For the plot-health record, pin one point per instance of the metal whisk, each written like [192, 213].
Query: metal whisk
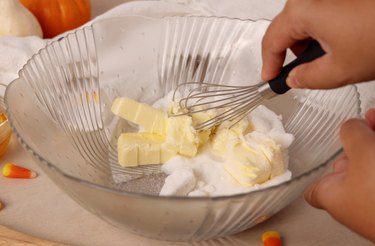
[235, 102]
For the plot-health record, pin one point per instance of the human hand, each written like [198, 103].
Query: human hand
[344, 28]
[348, 193]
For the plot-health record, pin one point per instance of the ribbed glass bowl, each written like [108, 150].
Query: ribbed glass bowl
[59, 108]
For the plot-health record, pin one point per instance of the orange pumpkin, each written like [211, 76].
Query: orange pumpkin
[58, 16]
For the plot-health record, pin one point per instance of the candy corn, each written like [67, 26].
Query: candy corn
[13, 171]
[90, 96]
[5, 134]
[271, 238]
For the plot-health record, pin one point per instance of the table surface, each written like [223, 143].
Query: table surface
[39, 208]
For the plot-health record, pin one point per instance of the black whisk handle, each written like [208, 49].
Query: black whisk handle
[313, 51]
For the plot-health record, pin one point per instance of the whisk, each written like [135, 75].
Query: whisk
[235, 102]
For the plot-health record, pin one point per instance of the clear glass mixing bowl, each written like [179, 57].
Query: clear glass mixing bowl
[59, 109]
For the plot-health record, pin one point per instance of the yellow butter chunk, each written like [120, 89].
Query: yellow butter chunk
[142, 149]
[199, 118]
[228, 135]
[248, 166]
[151, 119]
[274, 155]
[223, 141]
[181, 136]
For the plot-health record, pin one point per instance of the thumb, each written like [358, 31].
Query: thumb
[321, 73]
[358, 141]
[326, 193]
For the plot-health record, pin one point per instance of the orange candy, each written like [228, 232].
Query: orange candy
[5, 133]
[95, 96]
[13, 171]
[271, 238]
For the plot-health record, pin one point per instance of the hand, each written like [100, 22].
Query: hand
[348, 193]
[345, 30]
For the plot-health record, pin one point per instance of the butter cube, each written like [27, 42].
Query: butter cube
[166, 154]
[151, 119]
[142, 149]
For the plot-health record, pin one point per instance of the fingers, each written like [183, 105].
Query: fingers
[292, 30]
[322, 73]
[322, 194]
[370, 118]
[341, 164]
[274, 49]
[299, 47]
[327, 191]
[279, 36]
[358, 141]
[347, 193]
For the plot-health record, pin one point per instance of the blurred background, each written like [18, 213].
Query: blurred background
[100, 6]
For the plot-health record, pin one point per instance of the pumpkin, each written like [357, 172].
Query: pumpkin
[58, 16]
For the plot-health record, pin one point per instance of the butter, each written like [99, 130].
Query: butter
[181, 136]
[248, 166]
[151, 119]
[271, 150]
[198, 118]
[223, 141]
[236, 158]
[163, 136]
[249, 157]
[249, 151]
[228, 135]
[142, 149]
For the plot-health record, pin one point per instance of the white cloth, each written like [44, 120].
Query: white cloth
[15, 51]
[14, 54]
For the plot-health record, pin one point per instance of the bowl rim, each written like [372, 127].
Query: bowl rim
[120, 192]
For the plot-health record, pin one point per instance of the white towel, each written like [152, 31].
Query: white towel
[14, 54]
[15, 51]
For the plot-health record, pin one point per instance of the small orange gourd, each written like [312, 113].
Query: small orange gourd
[58, 16]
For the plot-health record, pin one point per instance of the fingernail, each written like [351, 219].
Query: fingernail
[292, 81]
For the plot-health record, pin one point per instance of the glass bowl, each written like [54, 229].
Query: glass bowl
[59, 109]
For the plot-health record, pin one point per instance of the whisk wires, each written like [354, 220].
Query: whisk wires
[229, 102]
